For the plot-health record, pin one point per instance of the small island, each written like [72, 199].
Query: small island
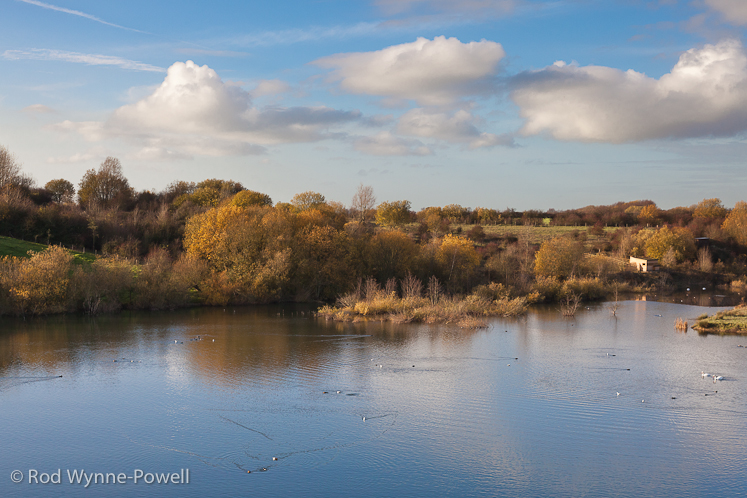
[732, 321]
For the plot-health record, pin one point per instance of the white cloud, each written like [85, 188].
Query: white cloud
[705, 94]
[458, 127]
[38, 109]
[194, 112]
[386, 144]
[733, 11]
[75, 13]
[431, 72]
[270, 87]
[79, 58]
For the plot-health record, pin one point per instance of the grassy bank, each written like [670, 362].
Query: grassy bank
[20, 249]
[724, 322]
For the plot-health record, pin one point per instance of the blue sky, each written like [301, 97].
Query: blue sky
[495, 103]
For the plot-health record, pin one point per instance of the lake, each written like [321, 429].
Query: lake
[270, 401]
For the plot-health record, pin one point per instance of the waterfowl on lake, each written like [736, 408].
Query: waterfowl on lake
[705, 374]
[717, 377]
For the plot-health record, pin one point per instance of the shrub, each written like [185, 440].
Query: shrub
[38, 285]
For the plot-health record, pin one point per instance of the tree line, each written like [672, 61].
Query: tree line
[216, 242]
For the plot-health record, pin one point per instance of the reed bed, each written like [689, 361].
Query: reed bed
[466, 312]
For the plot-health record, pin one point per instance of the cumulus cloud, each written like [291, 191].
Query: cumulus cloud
[458, 127]
[733, 11]
[386, 144]
[705, 94]
[194, 111]
[44, 54]
[430, 72]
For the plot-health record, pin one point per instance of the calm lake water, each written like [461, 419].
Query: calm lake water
[527, 407]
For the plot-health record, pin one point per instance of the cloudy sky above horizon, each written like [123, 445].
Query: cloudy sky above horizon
[498, 103]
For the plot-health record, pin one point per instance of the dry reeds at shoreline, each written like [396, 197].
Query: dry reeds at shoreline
[370, 302]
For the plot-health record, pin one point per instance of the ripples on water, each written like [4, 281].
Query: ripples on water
[528, 407]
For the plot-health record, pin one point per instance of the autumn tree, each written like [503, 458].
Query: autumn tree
[37, 285]
[649, 214]
[709, 208]
[307, 200]
[393, 213]
[249, 249]
[106, 187]
[735, 223]
[433, 217]
[247, 198]
[458, 260]
[61, 190]
[455, 213]
[364, 201]
[390, 254]
[679, 241]
[558, 257]
[324, 266]
[486, 216]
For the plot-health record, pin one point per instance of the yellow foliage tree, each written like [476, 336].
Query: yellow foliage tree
[205, 234]
[709, 208]
[247, 198]
[679, 240]
[38, 285]
[458, 260]
[649, 214]
[558, 257]
[736, 223]
[393, 213]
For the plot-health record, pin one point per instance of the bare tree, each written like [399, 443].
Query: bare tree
[364, 201]
[10, 170]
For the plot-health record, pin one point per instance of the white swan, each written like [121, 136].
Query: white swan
[717, 377]
[705, 374]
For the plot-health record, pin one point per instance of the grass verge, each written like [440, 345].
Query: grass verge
[20, 249]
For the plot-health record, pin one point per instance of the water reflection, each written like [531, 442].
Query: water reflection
[528, 407]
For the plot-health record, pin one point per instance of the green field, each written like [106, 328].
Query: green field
[535, 235]
[20, 248]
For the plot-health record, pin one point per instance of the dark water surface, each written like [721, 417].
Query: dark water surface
[445, 414]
